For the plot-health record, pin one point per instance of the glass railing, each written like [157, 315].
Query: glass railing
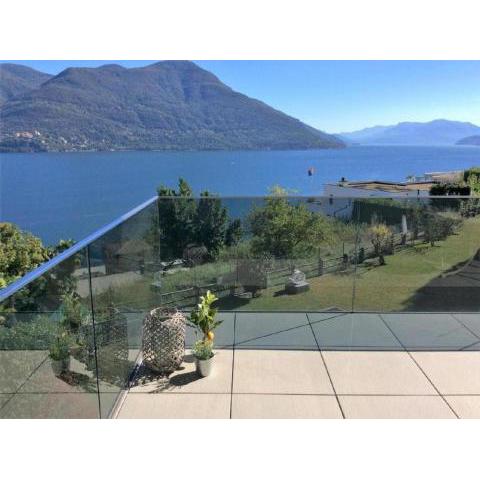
[71, 330]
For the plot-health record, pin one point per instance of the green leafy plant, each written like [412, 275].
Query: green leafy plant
[203, 349]
[380, 236]
[60, 347]
[72, 310]
[203, 317]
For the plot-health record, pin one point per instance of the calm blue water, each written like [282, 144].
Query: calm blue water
[68, 195]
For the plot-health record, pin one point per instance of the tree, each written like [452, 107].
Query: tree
[184, 222]
[210, 225]
[285, 229]
[380, 236]
[176, 212]
[20, 252]
[234, 233]
[472, 178]
[438, 227]
[414, 219]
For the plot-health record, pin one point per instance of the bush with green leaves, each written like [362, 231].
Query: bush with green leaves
[285, 228]
[380, 237]
[35, 333]
[203, 349]
[73, 311]
[60, 347]
[185, 222]
[472, 178]
[234, 233]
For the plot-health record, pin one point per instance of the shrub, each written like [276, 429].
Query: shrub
[203, 349]
[60, 347]
[380, 236]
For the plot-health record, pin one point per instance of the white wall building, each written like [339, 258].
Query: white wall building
[340, 196]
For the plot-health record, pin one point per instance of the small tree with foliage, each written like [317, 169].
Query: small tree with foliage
[286, 229]
[210, 224]
[234, 233]
[380, 236]
[184, 222]
[203, 316]
[176, 211]
[20, 252]
[472, 179]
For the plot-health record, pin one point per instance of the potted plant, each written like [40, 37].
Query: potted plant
[60, 353]
[203, 319]
[203, 353]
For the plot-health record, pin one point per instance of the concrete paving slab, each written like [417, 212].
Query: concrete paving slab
[176, 405]
[4, 397]
[186, 379]
[389, 373]
[465, 406]
[274, 331]
[16, 366]
[392, 406]
[280, 371]
[285, 406]
[51, 405]
[433, 331]
[452, 372]
[357, 331]
[470, 320]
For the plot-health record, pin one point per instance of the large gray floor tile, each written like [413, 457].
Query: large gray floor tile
[44, 380]
[356, 331]
[452, 372]
[433, 331]
[285, 406]
[16, 366]
[176, 405]
[223, 333]
[4, 397]
[465, 406]
[51, 405]
[280, 371]
[186, 380]
[274, 331]
[395, 406]
[376, 373]
[470, 320]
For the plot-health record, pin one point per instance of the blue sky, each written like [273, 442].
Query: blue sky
[337, 96]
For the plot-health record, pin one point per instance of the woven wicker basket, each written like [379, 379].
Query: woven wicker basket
[163, 341]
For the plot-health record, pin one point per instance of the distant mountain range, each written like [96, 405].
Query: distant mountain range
[170, 105]
[473, 140]
[16, 80]
[437, 132]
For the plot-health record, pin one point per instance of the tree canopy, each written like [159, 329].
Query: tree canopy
[284, 228]
[20, 252]
[185, 221]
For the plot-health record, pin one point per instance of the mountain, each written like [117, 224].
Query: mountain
[360, 135]
[473, 140]
[437, 132]
[18, 79]
[170, 105]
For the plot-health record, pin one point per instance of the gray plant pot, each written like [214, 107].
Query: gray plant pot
[60, 366]
[204, 367]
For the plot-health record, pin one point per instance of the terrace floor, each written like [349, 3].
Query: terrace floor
[324, 365]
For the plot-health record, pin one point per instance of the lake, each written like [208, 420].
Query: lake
[68, 195]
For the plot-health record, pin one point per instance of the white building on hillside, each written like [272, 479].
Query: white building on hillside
[340, 196]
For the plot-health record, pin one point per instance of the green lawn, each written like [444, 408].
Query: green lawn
[391, 287]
